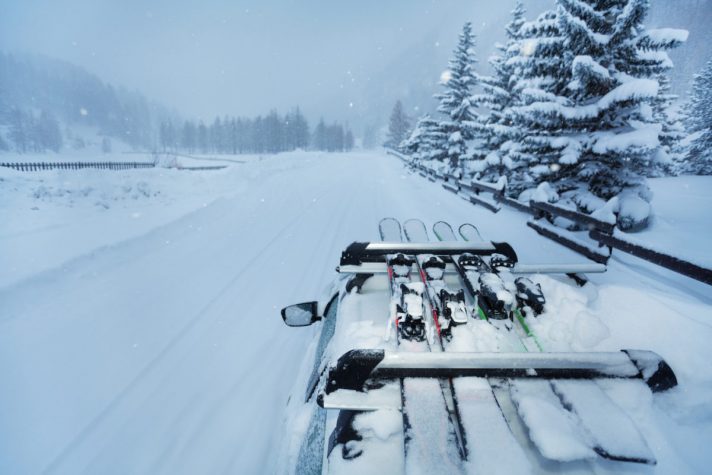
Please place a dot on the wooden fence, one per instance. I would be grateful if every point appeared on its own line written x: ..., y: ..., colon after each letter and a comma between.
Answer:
x: 601, y: 239
x: 39, y: 166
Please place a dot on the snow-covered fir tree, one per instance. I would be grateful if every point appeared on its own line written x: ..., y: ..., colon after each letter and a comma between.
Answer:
x: 538, y: 82
x: 494, y: 129
x: 455, y: 102
x: 398, y: 126
x: 698, y: 159
x: 672, y: 130
x: 426, y: 141
x: 594, y: 131
x: 349, y: 140
x: 319, y: 139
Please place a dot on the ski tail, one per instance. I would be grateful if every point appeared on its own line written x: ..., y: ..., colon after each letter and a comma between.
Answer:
x: 443, y: 231
x: 390, y: 230
x: 469, y: 232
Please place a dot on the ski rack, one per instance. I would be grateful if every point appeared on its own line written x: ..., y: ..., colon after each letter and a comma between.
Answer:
x: 370, y: 257
x: 360, y: 252
x: 354, y: 368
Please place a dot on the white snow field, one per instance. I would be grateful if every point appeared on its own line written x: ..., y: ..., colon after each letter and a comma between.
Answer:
x: 139, y: 310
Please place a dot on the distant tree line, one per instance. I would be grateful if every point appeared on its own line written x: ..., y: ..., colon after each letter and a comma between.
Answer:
x: 272, y: 133
x: 32, y: 133
x: 45, y: 104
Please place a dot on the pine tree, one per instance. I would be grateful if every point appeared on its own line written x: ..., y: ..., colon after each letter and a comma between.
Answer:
x: 301, y: 130
x: 216, y: 136
x: 19, y: 133
x: 495, y: 127
x: 615, y: 64
x: 202, y: 138
x: 538, y: 81
x: 698, y: 159
x: 370, y: 138
x: 348, y: 140
x: 455, y: 102
x: 398, y: 126
x: 188, y: 137
x: 586, y: 120
x: 164, y: 138
x: 319, y: 140
x: 671, y: 133
x: 427, y: 142
x: 335, y: 138
x: 49, y: 136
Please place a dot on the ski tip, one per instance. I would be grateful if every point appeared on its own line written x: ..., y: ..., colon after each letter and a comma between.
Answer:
x: 389, y: 228
x: 469, y: 232
x: 443, y: 231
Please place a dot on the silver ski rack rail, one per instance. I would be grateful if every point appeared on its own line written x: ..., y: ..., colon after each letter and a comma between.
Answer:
x: 370, y: 257
x: 362, y: 252
x: 357, y: 367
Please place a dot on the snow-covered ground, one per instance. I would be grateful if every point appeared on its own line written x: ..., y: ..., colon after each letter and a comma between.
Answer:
x: 139, y: 310
x: 682, y: 219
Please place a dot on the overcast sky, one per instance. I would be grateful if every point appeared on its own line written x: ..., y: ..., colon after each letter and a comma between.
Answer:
x: 244, y: 57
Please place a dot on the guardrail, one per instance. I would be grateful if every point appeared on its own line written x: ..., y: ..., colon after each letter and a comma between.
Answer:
x: 39, y: 166
x: 676, y: 264
x: 600, y: 233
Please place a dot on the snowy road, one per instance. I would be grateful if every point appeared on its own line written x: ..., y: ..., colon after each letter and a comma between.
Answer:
x: 165, y: 353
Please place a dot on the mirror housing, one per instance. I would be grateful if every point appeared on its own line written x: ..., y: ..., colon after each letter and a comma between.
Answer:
x: 301, y: 314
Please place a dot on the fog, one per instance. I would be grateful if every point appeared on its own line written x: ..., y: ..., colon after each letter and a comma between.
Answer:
x: 244, y: 57
x: 348, y: 61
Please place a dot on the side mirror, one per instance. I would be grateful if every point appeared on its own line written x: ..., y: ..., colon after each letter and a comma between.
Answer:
x: 301, y: 314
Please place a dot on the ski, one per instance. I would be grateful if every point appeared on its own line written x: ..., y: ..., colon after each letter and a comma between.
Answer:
x: 448, y: 308
x: 579, y: 401
x: 469, y: 232
x: 626, y: 445
x: 497, y: 301
x: 443, y: 231
x: 413, y: 332
x: 430, y: 269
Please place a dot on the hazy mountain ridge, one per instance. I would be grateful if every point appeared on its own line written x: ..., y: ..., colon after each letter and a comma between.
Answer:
x: 34, y: 84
